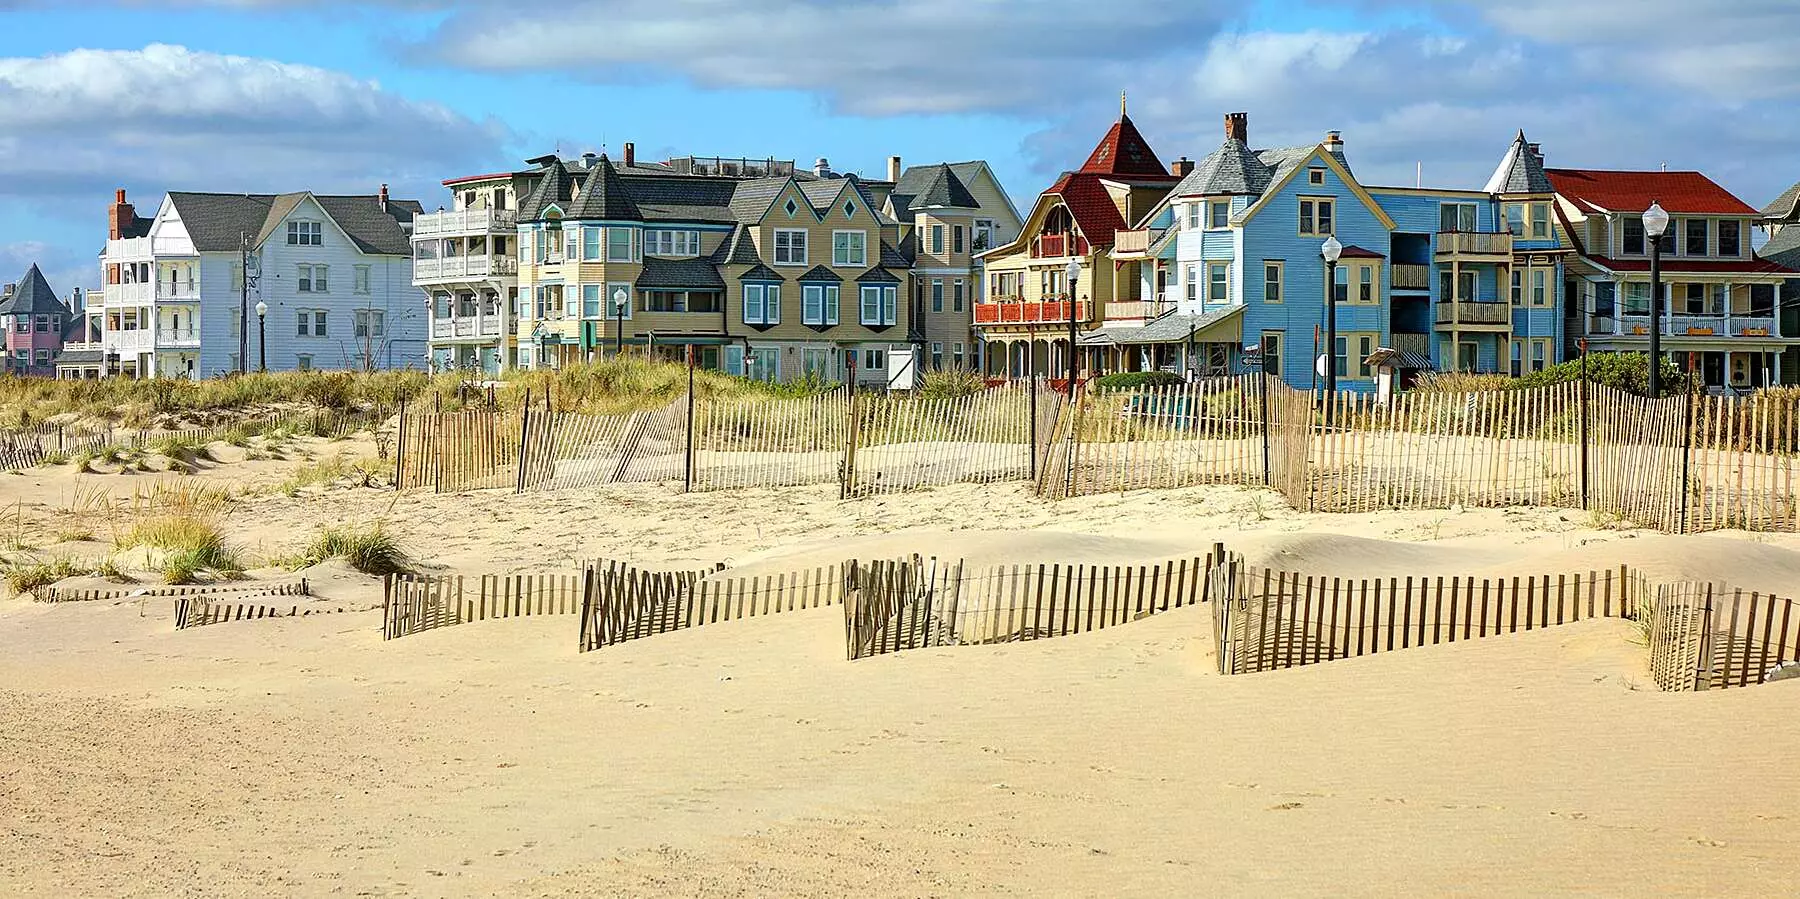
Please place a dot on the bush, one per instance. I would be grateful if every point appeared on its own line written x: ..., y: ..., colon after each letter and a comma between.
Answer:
x: 950, y: 384
x: 1629, y: 372
x: 28, y: 576
x: 1132, y: 380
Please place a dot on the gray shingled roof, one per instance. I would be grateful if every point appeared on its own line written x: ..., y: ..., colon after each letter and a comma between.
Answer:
x: 1231, y: 169
x: 761, y: 273
x: 678, y: 273
x: 1521, y: 171
x: 901, y: 257
x: 752, y: 198
x: 1782, y: 207
x: 738, y: 249
x: 217, y: 222
x: 33, y: 296
x: 1783, y: 248
x: 821, y: 273
x: 931, y: 185
x: 877, y: 275
x: 79, y: 357
x: 1170, y: 328
x: 604, y: 196
x: 555, y: 188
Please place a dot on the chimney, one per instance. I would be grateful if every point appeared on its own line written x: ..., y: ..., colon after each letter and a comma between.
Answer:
x: 121, y: 216
x: 1536, y: 151
x: 1334, y: 142
x: 630, y: 154
x: 382, y: 198
x: 822, y: 167
x: 1181, y: 168
x: 1237, y: 127
x: 893, y: 168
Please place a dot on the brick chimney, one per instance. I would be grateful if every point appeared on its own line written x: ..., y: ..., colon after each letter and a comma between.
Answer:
x: 382, y: 198
x: 1181, y: 168
x: 893, y: 168
x: 1334, y: 142
x: 630, y: 154
x: 1237, y: 127
x: 121, y: 216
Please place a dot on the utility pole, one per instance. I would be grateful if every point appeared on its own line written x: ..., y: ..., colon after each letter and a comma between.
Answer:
x: 243, y: 300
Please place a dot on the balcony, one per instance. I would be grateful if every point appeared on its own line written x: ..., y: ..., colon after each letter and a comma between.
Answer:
x: 1478, y: 315
x: 122, y: 294
x: 467, y: 221
x: 1135, y: 310
x: 462, y: 267
x: 1056, y: 246
x: 465, y: 327
x: 137, y: 248
x: 169, y: 292
x: 1021, y: 313
x: 1689, y: 325
x: 1132, y: 243
x: 136, y: 340
x: 1411, y: 277
x: 1475, y: 246
x: 1413, y: 343
x: 178, y: 338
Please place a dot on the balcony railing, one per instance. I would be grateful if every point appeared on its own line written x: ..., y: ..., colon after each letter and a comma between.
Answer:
x: 1690, y: 325
x: 1135, y: 309
x: 1137, y: 241
x: 1465, y: 313
x: 1011, y: 313
x: 1475, y: 243
x: 1413, y: 343
x: 128, y: 248
x: 135, y: 340
x: 1411, y: 277
x: 128, y: 293
x: 467, y: 221
x: 465, y: 326
x: 464, y: 267
x: 1052, y: 246
x: 167, y: 290
x: 178, y: 337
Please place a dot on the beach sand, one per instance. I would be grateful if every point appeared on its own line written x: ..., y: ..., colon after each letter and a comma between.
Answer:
x: 306, y: 757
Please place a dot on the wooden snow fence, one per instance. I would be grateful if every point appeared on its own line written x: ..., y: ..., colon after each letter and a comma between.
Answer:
x: 415, y: 603
x: 754, y: 442
x: 590, y: 450
x: 1279, y: 619
x: 901, y: 442
x: 1711, y: 637
x: 897, y: 605
x: 198, y: 611
x: 624, y: 603
x: 455, y: 451
x: 1205, y: 432
x: 151, y: 591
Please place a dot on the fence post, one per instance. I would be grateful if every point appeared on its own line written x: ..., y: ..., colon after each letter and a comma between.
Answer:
x: 1687, y: 453
x: 387, y: 596
x: 848, y: 477
x: 524, y: 440
x: 1586, y: 411
x: 687, y: 469
x: 1071, y: 443
x: 1263, y: 390
x: 1034, y: 429
x: 400, y: 448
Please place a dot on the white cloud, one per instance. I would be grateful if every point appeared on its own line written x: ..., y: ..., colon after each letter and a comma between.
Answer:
x: 84, y: 121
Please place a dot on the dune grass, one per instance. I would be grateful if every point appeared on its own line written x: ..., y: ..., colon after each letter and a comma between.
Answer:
x: 368, y: 548
x: 24, y: 577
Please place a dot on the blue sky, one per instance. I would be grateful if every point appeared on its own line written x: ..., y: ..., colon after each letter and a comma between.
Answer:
x: 273, y: 95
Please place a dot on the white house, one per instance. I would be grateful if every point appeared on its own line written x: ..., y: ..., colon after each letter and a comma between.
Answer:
x: 332, y: 273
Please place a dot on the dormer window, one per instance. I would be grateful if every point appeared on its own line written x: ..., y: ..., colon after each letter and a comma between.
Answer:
x: 1315, y: 176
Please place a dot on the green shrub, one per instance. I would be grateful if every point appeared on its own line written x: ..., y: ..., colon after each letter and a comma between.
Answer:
x: 368, y: 549
x: 1131, y: 380
x: 24, y: 577
x: 950, y: 383
x: 1629, y: 372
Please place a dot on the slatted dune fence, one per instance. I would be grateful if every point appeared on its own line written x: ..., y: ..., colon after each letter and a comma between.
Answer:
x: 1290, y: 440
x: 91, y: 594
x: 628, y: 604
x: 1437, y: 450
x: 199, y: 611
x: 455, y: 451
x: 591, y: 450
x: 1746, y: 455
x: 747, y: 442
x: 905, y: 442
x: 415, y: 603
x: 1205, y: 432
x: 1636, y: 457
x: 1713, y: 637
x: 911, y: 604
x: 1281, y: 619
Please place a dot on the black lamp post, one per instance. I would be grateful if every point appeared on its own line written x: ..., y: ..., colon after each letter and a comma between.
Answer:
x: 1073, y: 274
x: 620, y: 297
x: 1330, y: 251
x: 262, y: 336
x: 1656, y: 221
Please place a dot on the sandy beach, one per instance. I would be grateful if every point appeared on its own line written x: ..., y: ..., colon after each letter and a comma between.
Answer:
x: 306, y: 757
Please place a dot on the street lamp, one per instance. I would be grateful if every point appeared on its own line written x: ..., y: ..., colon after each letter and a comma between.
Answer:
x: 1656, y: 221
x: 1073, y: 274
x: 262, y: 336
x: 1330, y: 251
x: 620, y: 297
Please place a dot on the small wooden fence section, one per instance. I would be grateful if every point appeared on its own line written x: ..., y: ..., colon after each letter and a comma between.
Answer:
x: 1703, y: 637
x: 65, y: 594
x: 900, y: 442
x: 198, y: 611
x: 412, y: 604
x: 1274, y: 619
x: 624, y: 603
x: 891, y: 606
x: 452, y: 451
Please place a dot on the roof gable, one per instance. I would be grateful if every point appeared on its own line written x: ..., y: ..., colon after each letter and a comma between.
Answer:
x: 1689, y: 193
x: 934, y: 185
x: 1521, y: 170
x: 556, y: 188
x: 1291, y: 166
x: 1784, y: 206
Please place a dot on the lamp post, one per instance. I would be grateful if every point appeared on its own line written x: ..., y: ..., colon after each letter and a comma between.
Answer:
x: 620, y: 297
x: 262, y: 336
x: 1330, y: 250
x: 1073, y: 274
x: 1656, y: 221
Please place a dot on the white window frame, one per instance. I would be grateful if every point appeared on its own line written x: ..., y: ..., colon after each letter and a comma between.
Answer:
x: 1192, y: 215
x: 1223, y: 272
x: 885, y: 304
x: 305, y: 233
x: 1191, y: 283
x: 841, y: 257
x: 819, y: 304
x: 788, y: 251
x: 768, y: 303
x: 361, y: 282
x: 631, y: 244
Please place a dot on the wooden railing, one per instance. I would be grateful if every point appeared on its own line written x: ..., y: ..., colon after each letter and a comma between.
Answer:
x: 1465, y: 313
x: 1474, y: 243
x: 1412, y: 277
x: 1058, y: 245
x: 1135, y: 309
x: 1030, y: 313
x: 1136, y: 241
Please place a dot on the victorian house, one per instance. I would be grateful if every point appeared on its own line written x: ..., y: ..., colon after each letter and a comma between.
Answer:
x: 36, y: 322
x: 1781, y: 222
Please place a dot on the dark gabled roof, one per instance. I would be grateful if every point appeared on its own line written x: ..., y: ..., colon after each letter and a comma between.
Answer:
x: 932, y: 185
x: 1521, y: 170
x: 1783, y: 248
x: 79, y: 357
x: 902, y: 257
x: 218, y: 222
x: 556, y: 188
x: 738, y: 249
x: 822, y: 195
x: 679, y: 273
x: 877, y: 275
x: 604, y: 196
x: 820, y: 273
x: 681, y: 198
x: 1783, y: 207
x: 33, y: 296
x: 761, y: 273
x: 751, y: 200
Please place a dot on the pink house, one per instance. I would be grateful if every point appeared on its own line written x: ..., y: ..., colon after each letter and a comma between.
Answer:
x: 34, y: 320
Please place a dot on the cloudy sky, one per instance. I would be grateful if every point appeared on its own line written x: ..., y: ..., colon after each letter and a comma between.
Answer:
x: 330, y: 96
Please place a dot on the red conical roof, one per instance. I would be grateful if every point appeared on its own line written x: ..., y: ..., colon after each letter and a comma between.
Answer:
x: 1123, y: 151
